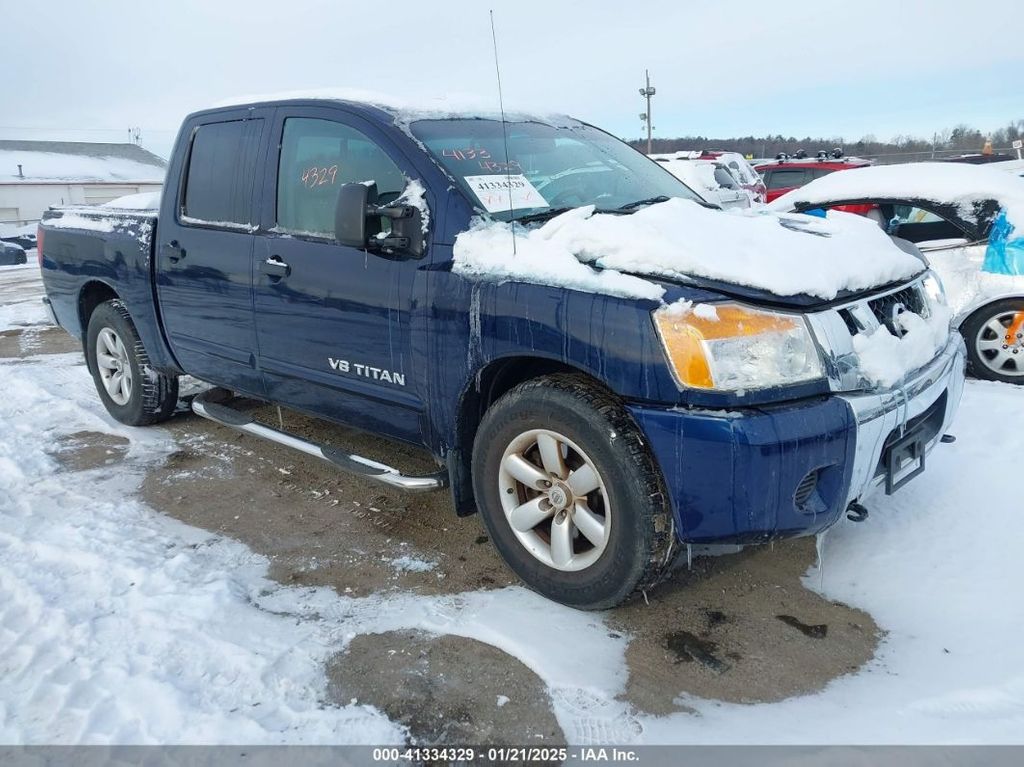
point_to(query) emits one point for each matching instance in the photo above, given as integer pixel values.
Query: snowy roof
(699, 175)
(77, 161)
(951, 184)
(403, 108)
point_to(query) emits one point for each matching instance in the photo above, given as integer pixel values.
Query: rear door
(333, 321)
(205, 250)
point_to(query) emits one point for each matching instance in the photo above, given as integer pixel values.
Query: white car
(711, 180)
(947, 210)
(738, 166)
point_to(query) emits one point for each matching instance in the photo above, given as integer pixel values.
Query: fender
(963, 314)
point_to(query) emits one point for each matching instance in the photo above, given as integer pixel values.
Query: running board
(353, 464)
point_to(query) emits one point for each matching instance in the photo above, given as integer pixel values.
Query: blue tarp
(1005, 253)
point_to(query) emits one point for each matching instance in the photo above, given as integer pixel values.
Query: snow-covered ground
(121, 625)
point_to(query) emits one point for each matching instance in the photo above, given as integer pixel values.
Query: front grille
(884, 307)
(806, 489)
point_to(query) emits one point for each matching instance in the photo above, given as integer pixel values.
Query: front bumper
(750, 475)
(933, 394)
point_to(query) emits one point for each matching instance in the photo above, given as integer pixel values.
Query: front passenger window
(317, 157)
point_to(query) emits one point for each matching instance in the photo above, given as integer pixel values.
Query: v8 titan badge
(499, 192)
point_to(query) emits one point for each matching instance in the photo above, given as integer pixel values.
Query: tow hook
(947, 439)
(856, 512)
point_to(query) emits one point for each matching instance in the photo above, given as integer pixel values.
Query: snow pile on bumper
(885, 358)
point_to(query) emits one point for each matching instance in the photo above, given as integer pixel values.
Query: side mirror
(357, 223)
(406, 236)
(350, 213)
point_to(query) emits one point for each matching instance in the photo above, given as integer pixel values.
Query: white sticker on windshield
(493, 193)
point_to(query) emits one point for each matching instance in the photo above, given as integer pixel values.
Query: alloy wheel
(114, 366)
(554, 500)
(1000, 344)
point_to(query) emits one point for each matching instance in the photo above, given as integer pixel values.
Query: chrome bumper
(878, 414)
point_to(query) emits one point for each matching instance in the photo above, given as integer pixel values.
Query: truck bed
(94, 251)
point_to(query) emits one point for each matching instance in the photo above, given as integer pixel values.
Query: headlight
(934, 289)
(737, 347)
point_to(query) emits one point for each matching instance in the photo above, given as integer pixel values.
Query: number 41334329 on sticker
(498, 193)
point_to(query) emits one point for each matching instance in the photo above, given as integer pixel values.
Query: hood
(786, 258)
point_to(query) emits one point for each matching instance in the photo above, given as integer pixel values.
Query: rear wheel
(569, 493)
(995, 341)
(132, 391)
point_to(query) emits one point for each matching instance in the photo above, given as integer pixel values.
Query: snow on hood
(956, 184)
(784, 254)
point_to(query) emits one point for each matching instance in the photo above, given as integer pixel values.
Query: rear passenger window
(221, 171)
(317, 157)
(784, 179)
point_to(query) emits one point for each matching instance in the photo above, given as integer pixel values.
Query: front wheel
(572, 498)
(995, 341)
(132, 391)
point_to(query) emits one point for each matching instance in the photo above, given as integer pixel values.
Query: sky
(89, 71)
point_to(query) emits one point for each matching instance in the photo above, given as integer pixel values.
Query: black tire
(640, 543)
(153, 395)
(973, 328)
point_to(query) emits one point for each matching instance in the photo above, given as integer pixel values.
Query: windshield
(549, 168)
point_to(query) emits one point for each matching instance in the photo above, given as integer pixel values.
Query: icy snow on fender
(784, 254)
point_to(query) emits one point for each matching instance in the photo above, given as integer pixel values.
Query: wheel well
(490, 384)
(966, 316)
(92, 295)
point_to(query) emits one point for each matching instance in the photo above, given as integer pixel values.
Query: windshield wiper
(663, 198)
(645, 201)
(544, 215)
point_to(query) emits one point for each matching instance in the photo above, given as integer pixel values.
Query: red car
(787, 174)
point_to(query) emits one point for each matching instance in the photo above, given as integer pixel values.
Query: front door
(332, 322)
(205, 251)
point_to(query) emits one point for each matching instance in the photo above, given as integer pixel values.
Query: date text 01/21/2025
(483, 755)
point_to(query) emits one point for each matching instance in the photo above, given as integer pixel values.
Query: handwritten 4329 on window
(319, 176)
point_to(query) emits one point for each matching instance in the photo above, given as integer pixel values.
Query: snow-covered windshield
(548, 167)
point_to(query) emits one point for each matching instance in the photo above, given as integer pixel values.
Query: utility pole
(647, 92)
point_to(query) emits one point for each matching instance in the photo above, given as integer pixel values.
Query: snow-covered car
(11, 254)
(948, 211)
(711, 180)
(744, 172)
(25, 236)
(738, 166)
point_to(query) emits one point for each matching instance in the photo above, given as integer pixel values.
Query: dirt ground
(738, 627)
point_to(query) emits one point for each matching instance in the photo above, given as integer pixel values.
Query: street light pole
(647, 92)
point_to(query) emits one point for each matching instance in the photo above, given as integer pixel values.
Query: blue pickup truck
(305, 253)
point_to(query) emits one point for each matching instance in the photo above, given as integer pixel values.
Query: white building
(37, 174)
